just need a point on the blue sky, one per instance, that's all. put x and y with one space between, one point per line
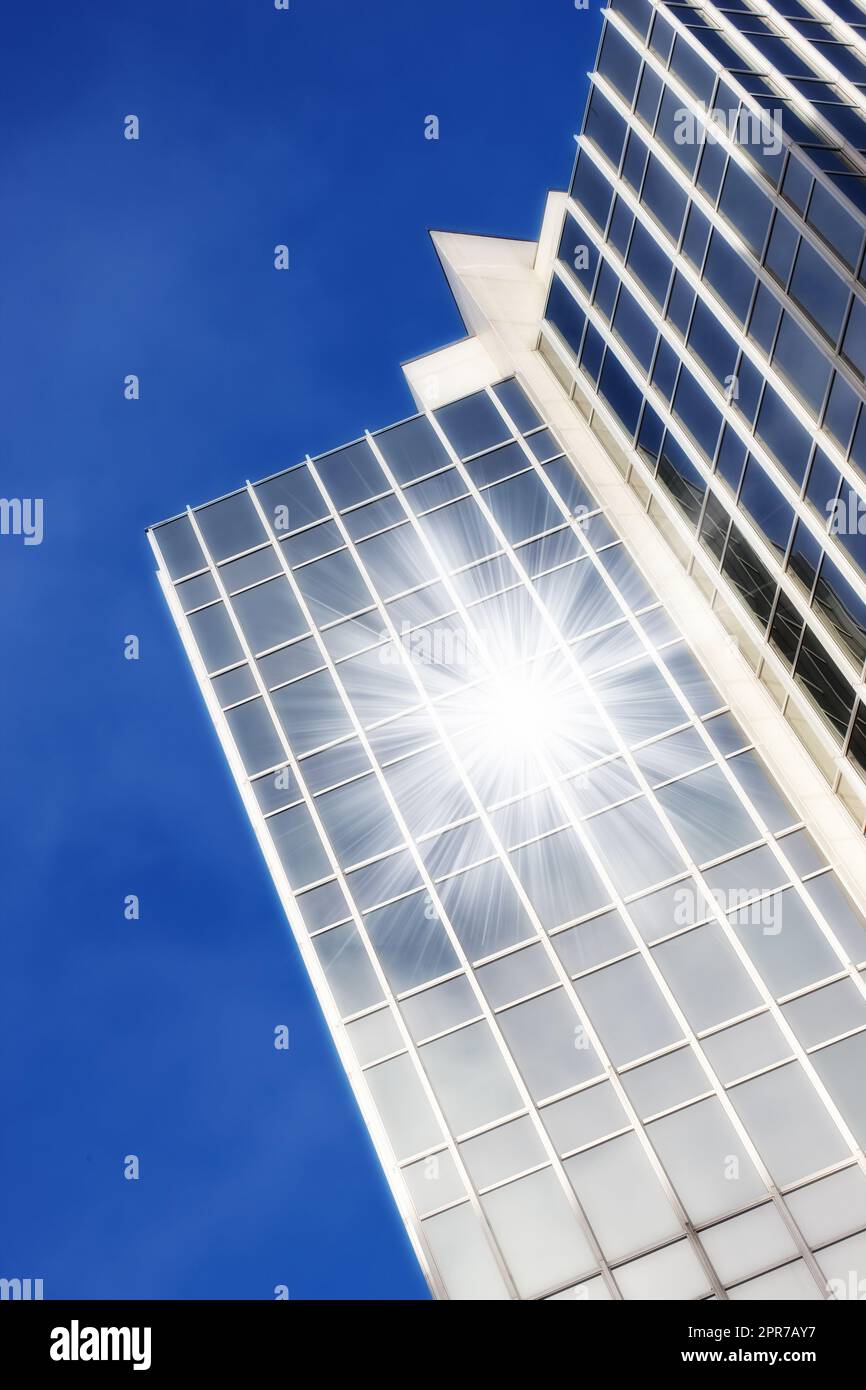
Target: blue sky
155 257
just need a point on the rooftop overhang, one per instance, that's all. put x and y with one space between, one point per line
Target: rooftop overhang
499 286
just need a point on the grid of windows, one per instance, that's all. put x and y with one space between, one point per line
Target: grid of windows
708 290
595 982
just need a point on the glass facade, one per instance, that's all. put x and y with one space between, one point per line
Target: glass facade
599 994
708 311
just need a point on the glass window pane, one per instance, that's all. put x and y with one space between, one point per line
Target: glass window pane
832 1207
179 547
559 878
333 587
845 1267
705 1160
666 1082
230 526
515 975
747 1243
825 1013
469 1075
269 614
518 405
463 1257
819 290
785 942
581 1119
215 637
628 1010
348 970
323 906
652 856
502 1152
255 737
311 712
484 910
410 942
249 569
440 1008
622 1197
842 1068
592 943
405 1110
709 982
194 592
707 815
291 500
374 1037
549 1044
472 424
412 449
351 474
748 1046
433 1182
788 1123
538 1233
675 1272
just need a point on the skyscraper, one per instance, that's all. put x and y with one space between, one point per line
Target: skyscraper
543 703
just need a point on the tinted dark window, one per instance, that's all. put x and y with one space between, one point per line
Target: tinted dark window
844 612
682 479
700 417
819 291
732 456
835 224
692 70
766 313
605 127
577 252
680 305
621 393
749 576
823 485
781 248
807 370
673 132
804 558
743 203
729 275
715 527
824 682
711 169
841 412
649 263
638 13
472 424
765 505
632 326
619 63
785 630
664 198
591 191
712 343
854 344
849 523
564 312
665 369
783 435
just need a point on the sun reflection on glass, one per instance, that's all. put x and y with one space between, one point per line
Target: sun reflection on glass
522 713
